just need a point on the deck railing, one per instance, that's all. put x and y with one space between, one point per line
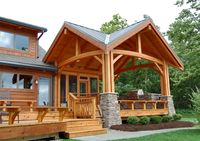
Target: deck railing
142 107
82 107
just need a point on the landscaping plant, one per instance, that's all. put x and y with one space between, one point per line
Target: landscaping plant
166 118
156 119
177 117
133 120
144 120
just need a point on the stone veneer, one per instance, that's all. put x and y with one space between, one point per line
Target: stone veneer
170 103
110 109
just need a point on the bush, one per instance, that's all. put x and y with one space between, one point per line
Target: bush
166 118
198 119
156 119
133 120
177 117
144 120
195 99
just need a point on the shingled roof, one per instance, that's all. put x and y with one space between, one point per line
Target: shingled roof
14 22
18 61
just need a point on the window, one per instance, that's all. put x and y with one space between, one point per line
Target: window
15 41
6 39
73 83
8 80
25 81
93 85
21 42
12 80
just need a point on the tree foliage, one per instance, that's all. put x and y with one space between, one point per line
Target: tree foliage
184 34
116 23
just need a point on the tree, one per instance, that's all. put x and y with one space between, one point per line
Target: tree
116 23
184 34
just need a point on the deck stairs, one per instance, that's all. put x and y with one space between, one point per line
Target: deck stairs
83 127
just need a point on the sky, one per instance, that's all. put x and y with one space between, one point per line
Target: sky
51 14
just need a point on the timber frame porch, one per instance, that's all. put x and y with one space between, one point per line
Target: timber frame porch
82 51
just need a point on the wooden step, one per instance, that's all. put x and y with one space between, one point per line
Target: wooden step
82 122
83 128
85 133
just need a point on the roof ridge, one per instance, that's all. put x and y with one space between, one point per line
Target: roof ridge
130 25
85 27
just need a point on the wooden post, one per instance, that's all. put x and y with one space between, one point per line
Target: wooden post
94 108
67 90
165 84
103 72
112 77
107 73
133 105
78 85
58 92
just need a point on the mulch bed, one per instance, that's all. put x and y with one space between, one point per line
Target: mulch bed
139 127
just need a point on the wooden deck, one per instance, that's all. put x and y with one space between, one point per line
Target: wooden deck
28 127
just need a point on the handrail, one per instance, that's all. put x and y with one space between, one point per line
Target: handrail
83 107
133 104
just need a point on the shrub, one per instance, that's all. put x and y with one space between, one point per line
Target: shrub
195 99
144 120
155 119
133 120
177 117
198 119
166 118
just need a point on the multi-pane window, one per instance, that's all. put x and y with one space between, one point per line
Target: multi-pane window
15 41
93 85
12 80
73 83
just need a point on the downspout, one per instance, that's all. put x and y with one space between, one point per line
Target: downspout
38 43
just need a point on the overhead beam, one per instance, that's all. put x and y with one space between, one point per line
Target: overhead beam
136 54
137 67
80 56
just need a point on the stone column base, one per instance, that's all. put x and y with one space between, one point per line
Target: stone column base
170 105
110 109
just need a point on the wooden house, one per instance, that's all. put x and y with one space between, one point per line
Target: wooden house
61 88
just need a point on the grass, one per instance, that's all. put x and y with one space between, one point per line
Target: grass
189 115
181 135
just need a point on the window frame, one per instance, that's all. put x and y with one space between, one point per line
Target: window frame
17 83
14 41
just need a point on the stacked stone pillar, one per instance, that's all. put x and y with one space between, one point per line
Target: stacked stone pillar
110 109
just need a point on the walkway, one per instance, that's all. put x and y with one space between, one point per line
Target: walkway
114 134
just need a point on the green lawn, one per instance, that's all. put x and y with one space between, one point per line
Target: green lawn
181 135
189 115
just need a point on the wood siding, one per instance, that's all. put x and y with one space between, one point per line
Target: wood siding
33 42
24 94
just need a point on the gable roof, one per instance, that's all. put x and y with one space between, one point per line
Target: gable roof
14 22
109 41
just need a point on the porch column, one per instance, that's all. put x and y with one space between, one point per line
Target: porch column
165 89
108 99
